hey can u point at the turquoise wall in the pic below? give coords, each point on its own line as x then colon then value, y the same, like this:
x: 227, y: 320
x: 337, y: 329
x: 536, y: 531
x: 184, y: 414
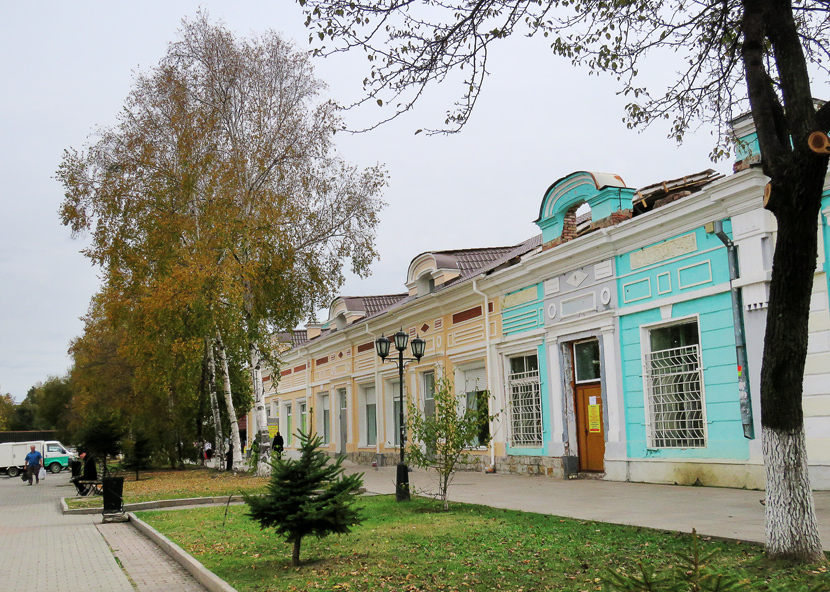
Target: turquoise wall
x: 747, y: 147
x: 684, y: 276
x: 519, y: 319
x: 706, y: 267
x: 543, y: 393
x: 524, y: 317
x: 723, y: 416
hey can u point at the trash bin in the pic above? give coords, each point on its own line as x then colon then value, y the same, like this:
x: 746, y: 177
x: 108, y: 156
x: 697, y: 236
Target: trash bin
x: 113, y: 494
x: 570, y: 467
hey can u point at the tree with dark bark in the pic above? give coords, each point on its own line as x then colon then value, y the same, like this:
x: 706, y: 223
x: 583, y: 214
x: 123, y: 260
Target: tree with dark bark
x: 733, y: 55
x: 102, y: 437
x: 309, y: 496
x: 139, y: 453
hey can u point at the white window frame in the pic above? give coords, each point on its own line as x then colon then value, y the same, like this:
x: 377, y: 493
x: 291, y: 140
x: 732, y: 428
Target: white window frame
x: 391, y: 386
x: 289, y: 424
x: 645, y: 346
x: 363, y: 419
x: 302, y: 410
x: 425, y: 390
x: 464, y: 395
x: 323, y: 400
x: 573, y: 349
x: 522, y: 380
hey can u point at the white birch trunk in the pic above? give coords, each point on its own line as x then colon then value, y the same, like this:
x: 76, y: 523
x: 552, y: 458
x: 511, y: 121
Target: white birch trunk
x: 226, y: 383
x: 219, y: 443
x: 263, y: 468
x: 791, y: 525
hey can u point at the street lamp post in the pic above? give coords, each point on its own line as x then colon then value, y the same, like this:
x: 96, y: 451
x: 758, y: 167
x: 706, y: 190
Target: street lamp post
x: 382, y: 346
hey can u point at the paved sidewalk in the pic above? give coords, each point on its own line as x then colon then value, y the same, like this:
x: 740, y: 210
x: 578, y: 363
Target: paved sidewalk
x: 44, y: 550
x: 713, y: 511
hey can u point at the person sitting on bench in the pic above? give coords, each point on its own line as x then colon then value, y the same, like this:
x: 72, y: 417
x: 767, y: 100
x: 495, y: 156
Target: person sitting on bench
x: 89, y: 472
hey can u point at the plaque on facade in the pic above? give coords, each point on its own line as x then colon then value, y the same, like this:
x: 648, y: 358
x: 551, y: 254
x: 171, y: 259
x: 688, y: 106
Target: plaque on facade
x: 682, y: 245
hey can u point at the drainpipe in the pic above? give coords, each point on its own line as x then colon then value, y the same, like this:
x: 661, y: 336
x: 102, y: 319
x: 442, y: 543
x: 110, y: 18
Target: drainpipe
x: 740, y: 340
x: 487, y: 357
x: 377, y: 396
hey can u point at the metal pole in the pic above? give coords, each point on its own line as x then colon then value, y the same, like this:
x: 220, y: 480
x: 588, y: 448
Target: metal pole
x: 740, y: 340
x: 402, y: 483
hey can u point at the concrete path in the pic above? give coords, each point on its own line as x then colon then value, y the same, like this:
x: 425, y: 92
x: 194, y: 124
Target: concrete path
x: 713, y: 511
x: 44, y: 550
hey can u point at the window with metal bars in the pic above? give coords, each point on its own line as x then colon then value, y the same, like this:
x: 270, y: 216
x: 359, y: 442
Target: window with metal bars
x: 525, y: 402
x: 674, y: 397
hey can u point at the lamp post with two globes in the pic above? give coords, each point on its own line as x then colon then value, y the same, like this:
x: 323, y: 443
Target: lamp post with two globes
x: 382, y: 347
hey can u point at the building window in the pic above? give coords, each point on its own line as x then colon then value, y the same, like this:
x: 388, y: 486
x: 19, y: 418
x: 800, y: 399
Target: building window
x: 394, y: 387
x: 429, y: 393
x: 289, y: 426
x: 477, y: 399
x: 525, y: 402
x: 325, y: 405
x: 371, y: 415
x: 674, y: 395
x: 304, y: 418
x: 586, y: 361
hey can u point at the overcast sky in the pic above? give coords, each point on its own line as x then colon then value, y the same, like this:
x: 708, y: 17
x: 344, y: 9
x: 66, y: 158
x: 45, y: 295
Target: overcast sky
x: 67, y: 68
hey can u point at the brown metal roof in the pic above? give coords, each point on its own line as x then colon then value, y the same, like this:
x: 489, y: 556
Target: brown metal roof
x: 371, y: 305
x: 659, y: 194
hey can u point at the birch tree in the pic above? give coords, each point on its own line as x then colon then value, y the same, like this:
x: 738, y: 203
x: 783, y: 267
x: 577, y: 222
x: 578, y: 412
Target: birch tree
x: 731, y: 56
x: 300, y: 210
x: 221, y: 184
x: 219, y: 440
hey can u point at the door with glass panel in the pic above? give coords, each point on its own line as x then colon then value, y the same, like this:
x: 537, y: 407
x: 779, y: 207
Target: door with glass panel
x: 588, y: 405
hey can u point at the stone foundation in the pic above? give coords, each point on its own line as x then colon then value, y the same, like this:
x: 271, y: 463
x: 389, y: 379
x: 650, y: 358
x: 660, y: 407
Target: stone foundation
x: 365, y: 457
x: 515, y: 465
x: 531, y: 465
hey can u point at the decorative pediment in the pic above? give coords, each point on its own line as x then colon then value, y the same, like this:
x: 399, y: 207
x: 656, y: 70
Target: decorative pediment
x: 428, y: 270
x: 604, y: 193
x: 345, y: 311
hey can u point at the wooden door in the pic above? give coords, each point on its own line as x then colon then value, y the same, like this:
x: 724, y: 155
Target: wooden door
x: 589, y: 426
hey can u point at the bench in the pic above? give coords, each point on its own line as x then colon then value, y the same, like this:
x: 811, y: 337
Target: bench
x: 94, y: 486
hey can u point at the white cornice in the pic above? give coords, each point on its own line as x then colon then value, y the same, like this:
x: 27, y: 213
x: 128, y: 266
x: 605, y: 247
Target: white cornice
x: 724, y: 198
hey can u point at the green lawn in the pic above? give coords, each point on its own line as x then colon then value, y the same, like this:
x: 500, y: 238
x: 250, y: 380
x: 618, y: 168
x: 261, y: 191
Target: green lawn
x: 417, y: 547
x: 178, y: 484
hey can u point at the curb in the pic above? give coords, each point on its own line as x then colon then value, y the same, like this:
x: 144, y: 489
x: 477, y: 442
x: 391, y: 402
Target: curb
x: 193, y: 501
x: 201, y: 574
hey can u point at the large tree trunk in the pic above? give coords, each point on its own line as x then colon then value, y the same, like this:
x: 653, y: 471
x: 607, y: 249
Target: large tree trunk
x: 264, y: 466
x: 260, y: 417
x: 791, y: 529
x: 226, y: 383
x: 794, y: 196
x: 791, y: 525
x: 219, y: 443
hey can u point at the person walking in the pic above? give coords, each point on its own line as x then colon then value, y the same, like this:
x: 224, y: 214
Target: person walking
x: 32, y: 465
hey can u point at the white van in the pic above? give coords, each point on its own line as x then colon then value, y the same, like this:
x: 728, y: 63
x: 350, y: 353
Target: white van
x: 13, y: 455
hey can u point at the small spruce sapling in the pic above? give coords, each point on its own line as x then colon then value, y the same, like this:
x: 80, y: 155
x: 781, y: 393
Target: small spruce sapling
x: 694, y: 573
x: 309, y: 496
